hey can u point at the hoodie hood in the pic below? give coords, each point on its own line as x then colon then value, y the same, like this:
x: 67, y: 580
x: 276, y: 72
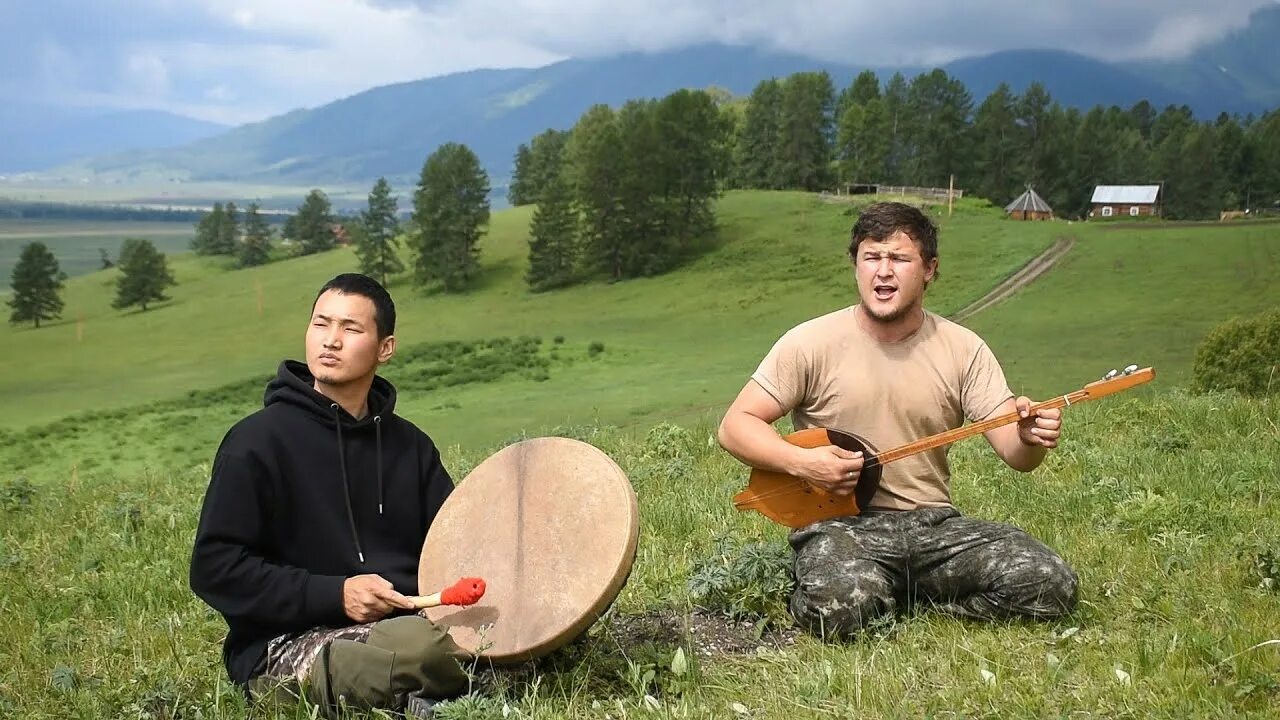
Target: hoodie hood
x: 294, y: 384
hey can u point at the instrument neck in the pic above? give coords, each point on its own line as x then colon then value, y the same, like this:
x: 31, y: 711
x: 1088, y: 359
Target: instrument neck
x: 960, y: 433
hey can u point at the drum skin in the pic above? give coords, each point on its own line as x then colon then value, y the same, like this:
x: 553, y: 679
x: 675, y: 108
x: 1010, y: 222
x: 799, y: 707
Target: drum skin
x: 551, y: 525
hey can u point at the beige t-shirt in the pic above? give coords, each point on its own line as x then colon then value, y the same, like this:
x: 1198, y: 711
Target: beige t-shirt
x: 829, y: 373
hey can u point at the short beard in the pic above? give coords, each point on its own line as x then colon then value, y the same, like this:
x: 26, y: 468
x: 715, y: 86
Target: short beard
x: 889, y: 317
x: 325, y: 380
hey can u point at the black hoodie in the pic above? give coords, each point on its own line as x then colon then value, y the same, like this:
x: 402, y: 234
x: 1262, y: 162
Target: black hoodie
x: 302, y: 497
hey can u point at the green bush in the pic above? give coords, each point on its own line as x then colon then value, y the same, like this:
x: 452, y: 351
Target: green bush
x: 1266, y: 567
x: 1241, y: 355
x: 16, y: 494
x: 744, y: 580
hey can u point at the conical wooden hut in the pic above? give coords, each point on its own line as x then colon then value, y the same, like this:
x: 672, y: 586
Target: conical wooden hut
x: 1029, y: 206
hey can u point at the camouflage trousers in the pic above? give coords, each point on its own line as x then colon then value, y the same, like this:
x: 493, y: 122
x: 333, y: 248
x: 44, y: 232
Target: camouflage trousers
x: 852, y: 571
x: 375, y: 665
x: 292, y: 655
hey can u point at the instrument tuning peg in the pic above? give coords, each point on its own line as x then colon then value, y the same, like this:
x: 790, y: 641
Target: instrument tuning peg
x: 1131, y: 370
x: 1110, y: 374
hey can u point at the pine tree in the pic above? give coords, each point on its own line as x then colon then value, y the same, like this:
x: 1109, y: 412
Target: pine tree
x: 900, y: 150
x: 641, y: 208
x: 144, y: 275
x: 865, y: 88
x: 313, y: 224
x: 256, y: 248
x: 594, y: 167
x: 756, y: 145
x: 228, y: 242
x: 862, y: 141
x: 520, y: 192
x: 803, y: 149
x: 547, y: 155
x: 939, y: 107
x: 36, y: 284
x: 450, y: 211
x: 209, y: 232
x: 553, y: 237
x: 1260, y: 161
x: 691, y: 152
x: 376, y: 248
x: 536, y: 163
x: 1034, y: 118
x: 997, y: 167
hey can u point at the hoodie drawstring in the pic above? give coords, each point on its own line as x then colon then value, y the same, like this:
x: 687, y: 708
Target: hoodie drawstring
x: 377, y: 433
x: 346, y: 486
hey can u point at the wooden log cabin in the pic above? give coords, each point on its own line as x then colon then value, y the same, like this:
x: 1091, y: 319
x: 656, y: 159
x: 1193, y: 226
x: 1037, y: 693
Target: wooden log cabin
x: 1116, y: 201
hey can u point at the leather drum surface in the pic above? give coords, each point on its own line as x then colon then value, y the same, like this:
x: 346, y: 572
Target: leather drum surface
x: 551, y: 525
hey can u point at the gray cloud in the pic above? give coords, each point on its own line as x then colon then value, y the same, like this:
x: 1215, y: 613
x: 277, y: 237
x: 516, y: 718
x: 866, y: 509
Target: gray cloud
x: 864, y: 31
x: 241, y: 60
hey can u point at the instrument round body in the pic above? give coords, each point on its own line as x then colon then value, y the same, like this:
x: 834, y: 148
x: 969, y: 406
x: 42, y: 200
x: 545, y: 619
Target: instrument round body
x: 795, y: 503
x: 551, y: 524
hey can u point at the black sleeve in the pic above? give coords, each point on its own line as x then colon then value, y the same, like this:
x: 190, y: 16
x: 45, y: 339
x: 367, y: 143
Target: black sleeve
x: 228, y: 569
x: 436, y: 481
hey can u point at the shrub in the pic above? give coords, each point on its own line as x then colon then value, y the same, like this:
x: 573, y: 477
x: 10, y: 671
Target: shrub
x: 1241, y: 355
x: 1267, y: 566
x: 16, y: 494
x: 744, y: 580
x: 595, y: 348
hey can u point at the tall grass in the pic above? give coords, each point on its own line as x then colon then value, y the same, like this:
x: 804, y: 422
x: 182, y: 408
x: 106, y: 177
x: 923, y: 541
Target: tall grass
x: 1165, y: 505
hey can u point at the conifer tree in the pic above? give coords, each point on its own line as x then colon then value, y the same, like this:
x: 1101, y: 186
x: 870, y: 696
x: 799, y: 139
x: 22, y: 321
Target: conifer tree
x: 376, y: 248
x: 144, y: 275
x: 37, y: 286
x: 450, y: 213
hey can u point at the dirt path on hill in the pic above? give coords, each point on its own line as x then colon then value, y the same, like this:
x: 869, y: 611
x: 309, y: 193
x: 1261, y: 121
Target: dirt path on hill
x: 1025, y: 275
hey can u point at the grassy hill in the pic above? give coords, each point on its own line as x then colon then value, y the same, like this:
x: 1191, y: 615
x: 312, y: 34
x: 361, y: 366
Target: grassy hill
x: 689, y: 338
x: 1142, y: 294
x: 1163, y: 502
x: 167, y: 383
x: 1125, y: 294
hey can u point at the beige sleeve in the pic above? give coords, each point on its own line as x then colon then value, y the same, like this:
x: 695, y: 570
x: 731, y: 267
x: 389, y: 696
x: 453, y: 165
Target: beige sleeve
x: 784, y: 372
x: 985, y: 387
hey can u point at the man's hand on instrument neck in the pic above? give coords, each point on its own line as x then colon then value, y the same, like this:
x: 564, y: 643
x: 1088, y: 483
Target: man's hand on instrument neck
x: 1040, y: 428
x: 369, y: 598
x: 1022, y: 445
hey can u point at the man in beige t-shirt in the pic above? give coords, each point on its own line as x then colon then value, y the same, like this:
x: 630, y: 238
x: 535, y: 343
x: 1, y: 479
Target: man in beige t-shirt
x: 891, y: 373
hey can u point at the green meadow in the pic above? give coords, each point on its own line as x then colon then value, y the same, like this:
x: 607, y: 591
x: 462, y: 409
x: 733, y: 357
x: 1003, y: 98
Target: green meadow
x: 1164, y: 502
x: 688, y: 339
x: 1133, y: 294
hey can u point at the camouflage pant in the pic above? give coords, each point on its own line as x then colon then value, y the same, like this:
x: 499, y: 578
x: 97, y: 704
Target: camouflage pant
x: 852, y: 571
x: 292, y: 655
x: 375, y: 665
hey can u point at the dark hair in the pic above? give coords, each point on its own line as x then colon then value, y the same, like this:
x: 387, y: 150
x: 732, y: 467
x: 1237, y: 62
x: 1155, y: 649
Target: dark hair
x: 883, y: 219
x: 384, y: 311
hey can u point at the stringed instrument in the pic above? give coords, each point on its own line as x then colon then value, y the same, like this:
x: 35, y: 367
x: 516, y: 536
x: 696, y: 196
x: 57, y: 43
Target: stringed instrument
x: 795, y: 503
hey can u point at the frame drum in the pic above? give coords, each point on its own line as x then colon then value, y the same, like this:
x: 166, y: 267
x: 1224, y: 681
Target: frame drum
x: 551, y: 525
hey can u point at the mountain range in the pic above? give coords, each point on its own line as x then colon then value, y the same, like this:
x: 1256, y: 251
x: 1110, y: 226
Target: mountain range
x: 38, y: 135
x: 389, y: 130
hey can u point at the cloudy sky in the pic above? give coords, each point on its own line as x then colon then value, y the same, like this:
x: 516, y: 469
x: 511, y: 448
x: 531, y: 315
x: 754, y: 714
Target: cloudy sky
x: 235, y: 61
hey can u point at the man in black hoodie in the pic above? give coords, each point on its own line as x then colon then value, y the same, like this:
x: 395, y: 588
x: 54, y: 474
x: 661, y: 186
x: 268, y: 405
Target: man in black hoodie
x: 314, y: 520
